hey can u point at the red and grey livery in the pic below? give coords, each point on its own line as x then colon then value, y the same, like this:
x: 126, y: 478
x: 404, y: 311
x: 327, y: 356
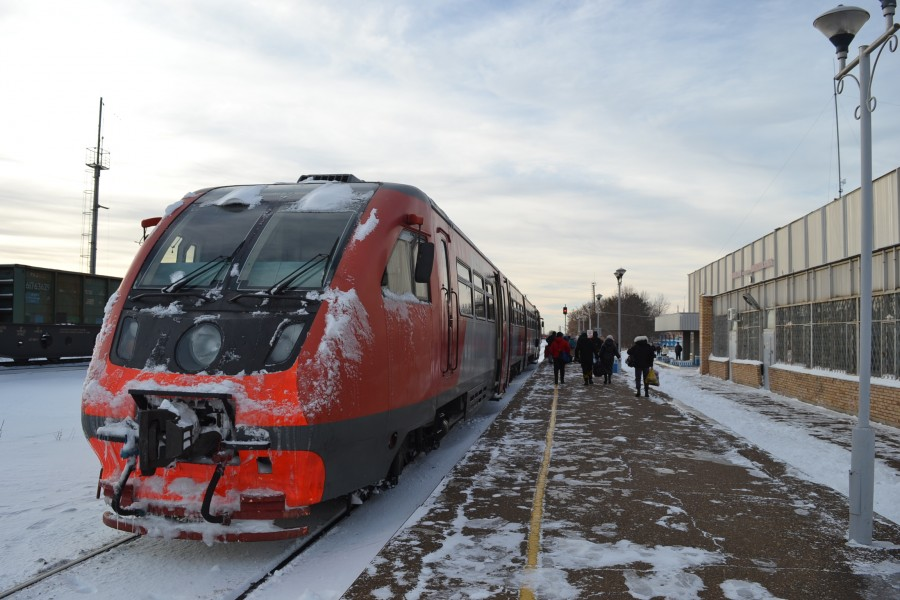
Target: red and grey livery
x: 275, y: 348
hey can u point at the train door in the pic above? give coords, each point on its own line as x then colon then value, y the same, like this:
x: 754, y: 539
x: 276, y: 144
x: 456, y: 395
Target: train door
x: 449, y: 307
x: 502, y: 370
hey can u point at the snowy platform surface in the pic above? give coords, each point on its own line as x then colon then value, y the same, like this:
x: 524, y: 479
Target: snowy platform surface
x: 650, y: 497
x: 705, y: 490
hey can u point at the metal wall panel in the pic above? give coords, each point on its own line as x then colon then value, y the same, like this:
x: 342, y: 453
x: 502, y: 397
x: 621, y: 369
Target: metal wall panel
x: 886, y: 212
x: 770, y: 254
x: 835, y: 232
x: 816, y: 248
x: 842, y: 279
x: 798, y: 246
x: 821, y: 284
x: 800, y: 287
x: 783, y: 250
x: 853, y: 223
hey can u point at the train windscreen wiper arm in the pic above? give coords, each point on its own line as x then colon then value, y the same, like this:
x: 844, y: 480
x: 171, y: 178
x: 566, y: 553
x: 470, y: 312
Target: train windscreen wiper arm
x: 183, y: 281
x: 296, y: 273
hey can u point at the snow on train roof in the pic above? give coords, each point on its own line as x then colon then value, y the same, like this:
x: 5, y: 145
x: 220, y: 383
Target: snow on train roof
x: 333, y: 197
x: 329, y: 196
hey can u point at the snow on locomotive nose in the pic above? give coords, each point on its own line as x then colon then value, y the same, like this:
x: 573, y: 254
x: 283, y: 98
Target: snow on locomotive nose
x: 276, y: 348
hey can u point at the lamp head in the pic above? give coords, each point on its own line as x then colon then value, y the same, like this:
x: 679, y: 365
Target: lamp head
x: 619, y: 272
x: 840, y: 25
x: 888, y: 8
x: 749, y: 299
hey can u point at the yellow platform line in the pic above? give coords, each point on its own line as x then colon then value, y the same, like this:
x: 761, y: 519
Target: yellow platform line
x: 537, y: 507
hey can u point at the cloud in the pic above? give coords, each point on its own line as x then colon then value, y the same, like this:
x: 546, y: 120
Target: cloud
x: 566, y: 139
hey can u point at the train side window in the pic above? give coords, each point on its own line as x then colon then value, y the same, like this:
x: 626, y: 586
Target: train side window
x: 464, y: 278
x: 478, y: 299
x: 398, y: 277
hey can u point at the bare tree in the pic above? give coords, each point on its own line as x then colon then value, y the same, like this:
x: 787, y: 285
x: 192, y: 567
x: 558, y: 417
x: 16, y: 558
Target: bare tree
x: 639, y: 313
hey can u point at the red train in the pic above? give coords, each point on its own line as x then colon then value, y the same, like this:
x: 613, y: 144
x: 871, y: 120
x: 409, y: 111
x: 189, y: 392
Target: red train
x: 276, y: 347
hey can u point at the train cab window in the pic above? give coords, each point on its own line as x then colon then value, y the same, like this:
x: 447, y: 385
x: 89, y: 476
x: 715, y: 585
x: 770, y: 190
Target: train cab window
x: 478, y: 296
x: 295, y: 247
x: 203, y: 236
x: 398, y: 277
x: 464, y: 282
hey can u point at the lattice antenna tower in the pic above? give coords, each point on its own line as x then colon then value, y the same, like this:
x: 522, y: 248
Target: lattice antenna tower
x: 96, y: 159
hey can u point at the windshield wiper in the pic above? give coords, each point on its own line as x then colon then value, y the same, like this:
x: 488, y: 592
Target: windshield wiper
x: 186, y: 279
x: 296, y: 273
x: 305, y: 268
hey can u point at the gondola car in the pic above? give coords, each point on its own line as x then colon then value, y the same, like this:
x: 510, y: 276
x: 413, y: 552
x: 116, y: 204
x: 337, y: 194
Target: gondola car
x: 274, y: 348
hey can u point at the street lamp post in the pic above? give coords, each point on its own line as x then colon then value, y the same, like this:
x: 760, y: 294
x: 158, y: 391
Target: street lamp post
x: 594, y: 307
x: 597, y: 298
x: 840, y: 25
x: 619, y: 272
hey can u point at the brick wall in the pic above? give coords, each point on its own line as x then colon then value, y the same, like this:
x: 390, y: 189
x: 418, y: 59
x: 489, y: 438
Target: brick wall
x: 749, y: 374
x: 706, y: 336
x: 717, y: 368
x: 837, y: 394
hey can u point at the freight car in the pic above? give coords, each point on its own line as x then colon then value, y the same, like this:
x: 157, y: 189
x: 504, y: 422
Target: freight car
x: 50, y: 314
x: 274, y: 348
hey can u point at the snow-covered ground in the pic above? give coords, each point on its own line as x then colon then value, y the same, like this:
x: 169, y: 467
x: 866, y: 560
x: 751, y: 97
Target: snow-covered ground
x: 49, y: 513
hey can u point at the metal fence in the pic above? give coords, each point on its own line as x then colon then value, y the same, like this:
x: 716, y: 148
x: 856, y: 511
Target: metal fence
x: 825, y: 335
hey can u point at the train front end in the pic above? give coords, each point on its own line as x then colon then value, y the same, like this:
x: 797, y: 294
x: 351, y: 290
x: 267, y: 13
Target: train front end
x: 191, y: 401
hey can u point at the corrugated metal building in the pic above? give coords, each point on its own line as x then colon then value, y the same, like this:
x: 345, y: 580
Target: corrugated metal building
x: 782, y: 312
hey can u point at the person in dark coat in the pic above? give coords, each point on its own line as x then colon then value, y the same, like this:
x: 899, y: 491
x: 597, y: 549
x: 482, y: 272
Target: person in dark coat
x: 641, y: 360
x: 678, y: 350
x: 596, y: 342
x: 609, y: 351
x: 549, y: 341
x: 584, y: 354
x: 558, y: 349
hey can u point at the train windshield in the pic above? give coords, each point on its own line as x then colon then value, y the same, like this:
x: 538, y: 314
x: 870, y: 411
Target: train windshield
x: 294, y: 251
x: 268, y: 238
x: 198, y: 249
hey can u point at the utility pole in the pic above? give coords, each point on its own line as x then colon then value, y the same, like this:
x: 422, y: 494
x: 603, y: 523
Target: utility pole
x: 99, y: 162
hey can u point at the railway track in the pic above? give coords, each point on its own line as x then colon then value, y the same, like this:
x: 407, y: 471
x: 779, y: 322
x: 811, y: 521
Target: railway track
x: 10, y: 367
x: 244, y: 567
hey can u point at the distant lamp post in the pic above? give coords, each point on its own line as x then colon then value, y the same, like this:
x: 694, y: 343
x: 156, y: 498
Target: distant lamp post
x: 565, y: 320
x: 597, y: 299
x: 619, y: 272
x: 840, y: 25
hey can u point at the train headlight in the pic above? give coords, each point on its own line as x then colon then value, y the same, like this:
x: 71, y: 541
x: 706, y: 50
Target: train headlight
x: 128, y: 331
x: 198, y: 347
x: 285, y: 341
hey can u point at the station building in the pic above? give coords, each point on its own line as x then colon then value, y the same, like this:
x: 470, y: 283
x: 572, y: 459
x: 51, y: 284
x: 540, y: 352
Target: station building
x: 783, y: 311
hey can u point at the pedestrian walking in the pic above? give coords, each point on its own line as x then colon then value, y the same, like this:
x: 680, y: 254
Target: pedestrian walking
x: 584, y: 354
x: 641, y: 355
x: 549, y: 341
x: 678, y: 350
x: 609, y: 351
x: 559, y: 349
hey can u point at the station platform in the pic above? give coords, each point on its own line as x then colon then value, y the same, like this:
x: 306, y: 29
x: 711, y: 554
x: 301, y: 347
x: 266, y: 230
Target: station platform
x: 585, y: 491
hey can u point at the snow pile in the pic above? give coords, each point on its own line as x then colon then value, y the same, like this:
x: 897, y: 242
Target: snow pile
x: 341, y: 350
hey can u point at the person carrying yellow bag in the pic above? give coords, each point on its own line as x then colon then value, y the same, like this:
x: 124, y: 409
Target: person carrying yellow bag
x: 652, y: 377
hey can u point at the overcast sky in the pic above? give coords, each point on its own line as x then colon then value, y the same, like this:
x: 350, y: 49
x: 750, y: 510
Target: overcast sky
x: 565, y: 138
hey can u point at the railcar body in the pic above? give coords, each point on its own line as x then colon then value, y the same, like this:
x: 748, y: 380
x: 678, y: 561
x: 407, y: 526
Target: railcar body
x: 276, y: 347
x: 50, y: 314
